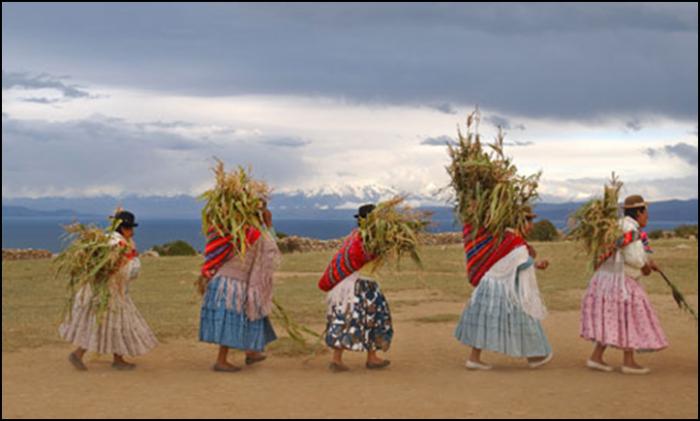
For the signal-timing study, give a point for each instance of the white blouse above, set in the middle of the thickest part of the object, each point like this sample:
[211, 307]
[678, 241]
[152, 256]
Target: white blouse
[634, 255]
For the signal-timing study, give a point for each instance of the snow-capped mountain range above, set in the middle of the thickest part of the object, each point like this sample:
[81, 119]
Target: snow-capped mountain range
[329, 201]
[348, 197]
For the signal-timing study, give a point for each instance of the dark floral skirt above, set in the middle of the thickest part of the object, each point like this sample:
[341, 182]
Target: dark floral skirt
[363, 326]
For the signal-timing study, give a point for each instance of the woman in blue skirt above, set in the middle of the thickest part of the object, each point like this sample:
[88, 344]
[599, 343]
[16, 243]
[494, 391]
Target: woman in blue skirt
[238, 295]
[505, 311]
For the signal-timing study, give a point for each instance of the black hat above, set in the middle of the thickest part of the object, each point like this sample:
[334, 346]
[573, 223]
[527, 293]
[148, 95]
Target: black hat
[364, 210]
[127, 219]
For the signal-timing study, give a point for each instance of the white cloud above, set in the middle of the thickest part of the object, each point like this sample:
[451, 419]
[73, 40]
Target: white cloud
[300, 143]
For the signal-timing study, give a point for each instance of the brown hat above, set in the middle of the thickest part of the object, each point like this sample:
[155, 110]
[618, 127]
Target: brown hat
[634, 201]
[528, 212]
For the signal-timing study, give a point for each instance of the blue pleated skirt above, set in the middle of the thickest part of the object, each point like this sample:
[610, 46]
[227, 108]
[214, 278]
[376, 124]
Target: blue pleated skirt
[219, 324]
[493, 323]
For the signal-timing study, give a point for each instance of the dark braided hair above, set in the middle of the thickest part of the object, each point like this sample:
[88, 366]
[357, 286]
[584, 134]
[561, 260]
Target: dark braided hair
[635, 212]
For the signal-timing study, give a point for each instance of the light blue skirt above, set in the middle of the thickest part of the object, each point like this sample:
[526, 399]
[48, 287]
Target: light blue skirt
[493, 323]
[226, 326]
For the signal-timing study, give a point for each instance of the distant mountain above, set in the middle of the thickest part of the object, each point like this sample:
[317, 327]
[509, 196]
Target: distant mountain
[682, 211]
[325, 203]
[23, 212]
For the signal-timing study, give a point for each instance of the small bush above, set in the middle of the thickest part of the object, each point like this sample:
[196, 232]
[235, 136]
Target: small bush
[544, 231]
[685, 231]
[176, 248]
[656, 234]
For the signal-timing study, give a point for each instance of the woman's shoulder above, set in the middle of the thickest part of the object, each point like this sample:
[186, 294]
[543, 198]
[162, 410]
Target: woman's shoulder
[629, 224]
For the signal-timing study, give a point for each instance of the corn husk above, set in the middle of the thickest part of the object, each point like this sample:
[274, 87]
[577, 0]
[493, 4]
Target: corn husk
[90, 259]
[488, 192]
[391, 231]
[597, 223]
[235, 203]
[678, 297]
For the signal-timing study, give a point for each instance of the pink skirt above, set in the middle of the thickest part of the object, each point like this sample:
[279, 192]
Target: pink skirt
[613, 318]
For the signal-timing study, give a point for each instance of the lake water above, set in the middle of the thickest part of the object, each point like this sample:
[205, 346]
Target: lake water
[47, 233]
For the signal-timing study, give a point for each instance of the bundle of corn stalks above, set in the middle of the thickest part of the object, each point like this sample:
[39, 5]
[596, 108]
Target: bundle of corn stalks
[489, 193]
[296, 330]
[391, 231]
[234, 204]
[597, 223]
[91, 259]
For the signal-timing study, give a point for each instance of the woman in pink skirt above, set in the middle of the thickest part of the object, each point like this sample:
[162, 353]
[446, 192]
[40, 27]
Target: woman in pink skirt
[616, 311]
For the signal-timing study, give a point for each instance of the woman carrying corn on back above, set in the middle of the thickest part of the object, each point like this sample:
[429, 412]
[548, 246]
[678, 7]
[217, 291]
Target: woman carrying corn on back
[121, 330]
[358, 315]
[615, 311]
[505, 312]
[241, 256]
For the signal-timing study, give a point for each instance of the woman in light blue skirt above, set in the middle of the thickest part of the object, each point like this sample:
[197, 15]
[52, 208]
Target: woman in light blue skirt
[505, 312]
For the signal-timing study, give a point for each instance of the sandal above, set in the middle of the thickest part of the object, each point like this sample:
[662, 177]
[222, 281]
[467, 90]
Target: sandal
[123, 366]
[338, 368]
[77, 362]
[253, 360]
[226, 369]
[378, 366]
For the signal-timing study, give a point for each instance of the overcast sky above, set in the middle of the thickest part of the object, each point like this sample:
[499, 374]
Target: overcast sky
[138, 98]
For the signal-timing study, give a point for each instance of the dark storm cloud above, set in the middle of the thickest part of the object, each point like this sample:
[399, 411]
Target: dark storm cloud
[564, 61]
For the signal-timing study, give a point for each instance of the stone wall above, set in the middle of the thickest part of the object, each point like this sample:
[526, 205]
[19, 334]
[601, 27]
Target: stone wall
[294, 244]
[24, 254]
[291, 244]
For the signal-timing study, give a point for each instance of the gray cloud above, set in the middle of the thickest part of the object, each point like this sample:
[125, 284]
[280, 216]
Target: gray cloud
[287, 142]
[634, 125]
[40, 100]
[682, 151]
[533, 60]
[503, 122]
[518, 143]
[99, 155]
[446, 108]
[168, 124]
[443, 140]
[652, 189]
[24, 80]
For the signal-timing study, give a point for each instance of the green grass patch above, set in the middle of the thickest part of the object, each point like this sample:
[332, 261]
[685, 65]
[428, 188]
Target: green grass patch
[32, 299]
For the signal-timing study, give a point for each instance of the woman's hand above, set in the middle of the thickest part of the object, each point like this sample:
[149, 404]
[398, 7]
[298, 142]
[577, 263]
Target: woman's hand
[646, 270]
[653, 266]
[542, 264]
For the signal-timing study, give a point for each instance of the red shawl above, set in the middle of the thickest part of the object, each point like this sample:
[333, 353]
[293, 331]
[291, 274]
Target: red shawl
[483, 250]
[218, 249]
[349, 259]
